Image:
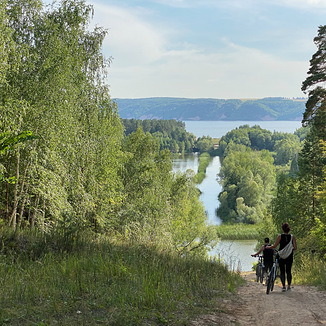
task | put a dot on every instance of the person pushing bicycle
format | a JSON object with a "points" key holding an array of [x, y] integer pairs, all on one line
{"points": [[286, 262], [268, 255]]}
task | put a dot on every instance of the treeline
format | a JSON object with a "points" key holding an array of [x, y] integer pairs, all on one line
{"points": [[300, 198], [171, 134], [210, 109], [278, 178], [251, 159], [65, 164]]}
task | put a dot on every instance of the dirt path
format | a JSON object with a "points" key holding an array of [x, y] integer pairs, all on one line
{"points": [[301, 306]]}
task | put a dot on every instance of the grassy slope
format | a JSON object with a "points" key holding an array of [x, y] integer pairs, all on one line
{"points": [[105, 283]]}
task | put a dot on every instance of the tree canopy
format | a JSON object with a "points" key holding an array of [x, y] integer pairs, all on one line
{"points": [[66, 164], [300, 196]]}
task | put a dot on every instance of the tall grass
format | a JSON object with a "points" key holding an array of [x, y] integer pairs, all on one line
{"points": [[238, 231], [102, 282], [310, 269]]}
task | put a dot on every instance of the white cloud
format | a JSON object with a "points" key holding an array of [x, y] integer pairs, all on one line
{"points": [[130, 39], [246, 4], [178, 3], [303, 3], [146, 64], [235, 72]]}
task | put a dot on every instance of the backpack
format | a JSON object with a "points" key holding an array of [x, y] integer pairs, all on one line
{"points": [[287, 250]]}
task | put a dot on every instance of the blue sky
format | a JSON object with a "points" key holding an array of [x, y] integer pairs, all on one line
{"points": [[209, 48]]}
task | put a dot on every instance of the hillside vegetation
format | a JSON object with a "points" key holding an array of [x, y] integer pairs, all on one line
{"points": [[252, 158], [271, 108], [94, 227]]}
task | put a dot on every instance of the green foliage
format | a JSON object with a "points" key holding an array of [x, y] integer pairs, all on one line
{"points": [[311, 271], [190, 231], [204, 160], [300, 195], [5, 38], [204, 144], [6, 140], [258, 139], [302, 133], [171, 133], [286, 149], [147, 180], [247, 178], [247, 189], [55, 88], [79, 171], [314, 83]]}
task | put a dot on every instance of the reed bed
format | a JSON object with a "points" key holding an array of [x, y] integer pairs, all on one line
{"points": [[204, 160], [238, 231]]}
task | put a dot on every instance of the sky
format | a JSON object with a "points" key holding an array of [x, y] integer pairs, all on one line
{"points": [[208, 48]]}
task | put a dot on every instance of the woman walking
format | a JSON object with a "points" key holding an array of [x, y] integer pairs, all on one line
{"points": [[285, 263]]}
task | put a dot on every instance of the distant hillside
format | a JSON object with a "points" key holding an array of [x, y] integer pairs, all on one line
{"points": [[185, 109]]}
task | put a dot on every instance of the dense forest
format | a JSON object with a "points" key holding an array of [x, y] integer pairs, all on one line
{"points": [[270, 108], [252, 157], [171, 135], [300, 197], [65, 161]]}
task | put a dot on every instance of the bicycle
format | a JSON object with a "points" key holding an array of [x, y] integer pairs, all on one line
{"points": [[273, 274], [260, 270]]}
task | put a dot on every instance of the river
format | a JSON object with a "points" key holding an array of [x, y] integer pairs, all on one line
{"points": [[236, 254]]}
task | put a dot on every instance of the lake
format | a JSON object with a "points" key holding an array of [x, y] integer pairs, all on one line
{"points": [[236, 253], [217, 129]]}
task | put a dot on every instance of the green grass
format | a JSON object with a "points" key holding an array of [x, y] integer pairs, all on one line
{"points": [[310, 270], [204, 160], [238, 231], [105, 283]]}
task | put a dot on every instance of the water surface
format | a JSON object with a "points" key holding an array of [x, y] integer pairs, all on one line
{"points": [[217, 129], [235, 253]]}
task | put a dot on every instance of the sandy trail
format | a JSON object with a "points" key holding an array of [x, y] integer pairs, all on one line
{"points": [[302, 305]]}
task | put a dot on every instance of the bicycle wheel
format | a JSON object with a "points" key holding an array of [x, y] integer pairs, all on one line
{"points": [[270, 281], [261, 276], [258, 269], [273, 282]]}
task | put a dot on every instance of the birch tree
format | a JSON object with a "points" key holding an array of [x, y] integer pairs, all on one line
{"points": [[56, 87]]}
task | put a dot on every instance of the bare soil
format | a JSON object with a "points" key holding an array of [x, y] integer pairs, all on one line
{"points": [[302, 305]]}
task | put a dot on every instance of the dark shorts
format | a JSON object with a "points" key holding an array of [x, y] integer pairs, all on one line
{"points": [[268, 266]]}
